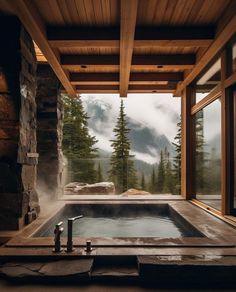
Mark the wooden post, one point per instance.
(186, 143)
(227, 136)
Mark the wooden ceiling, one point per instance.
(124, 46)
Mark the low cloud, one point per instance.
(159, 112)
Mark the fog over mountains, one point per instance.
(152, 121)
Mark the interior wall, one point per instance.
(18, 157)
(49, 133)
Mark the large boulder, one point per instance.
(102, 188)
(135, 192)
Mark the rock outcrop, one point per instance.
(135, 192)
(102, 188)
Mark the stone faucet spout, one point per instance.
(70, 232)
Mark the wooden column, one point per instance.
(227, 136)
(186, 143)
(128, 16)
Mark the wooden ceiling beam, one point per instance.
(141, 33)
(196, 36)
(83, 77)
(157, 76)
(128, 15)
(162, 60)
(215, 48)
(132, 88)
(97, 88)
(152, 88)
(199, 36)
(93, 60)
(111, 78)
(32, 21)
(138, 44)
(175, 60)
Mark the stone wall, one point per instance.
(49, 132)
(18, 158)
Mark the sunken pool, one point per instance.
(121, 220)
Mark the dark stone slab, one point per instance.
(67, 267)
(199, 269)
(61, 268)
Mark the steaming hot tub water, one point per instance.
(129, 220)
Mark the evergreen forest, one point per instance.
(85, 165)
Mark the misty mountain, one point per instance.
(145, 140)
(214, 145)
(140, 166)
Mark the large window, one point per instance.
(207, 170)
(122, 146)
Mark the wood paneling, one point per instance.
(150, 13)
(79, 12)
(180, 12)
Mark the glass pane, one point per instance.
(208, 155)
(200, 96)
(207, 82)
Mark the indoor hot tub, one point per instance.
(121, 220)
(130, 225)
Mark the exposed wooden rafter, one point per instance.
(32, 21)
(195, 36)
(216, 47)
(128, 16)
(180, 61)
(113, 78)
(96, 49)
(168, 88)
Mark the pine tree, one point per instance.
(152, 183)
(122, 171)
(78, 144)
(168, 181)
(165, 155)
(99, 173)
(177, 161)
(202, 171)
(160, 174)
(143, 182)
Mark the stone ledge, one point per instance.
(183, 269)
(60, 268)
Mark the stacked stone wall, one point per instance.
(18, 143)
(49, 132)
